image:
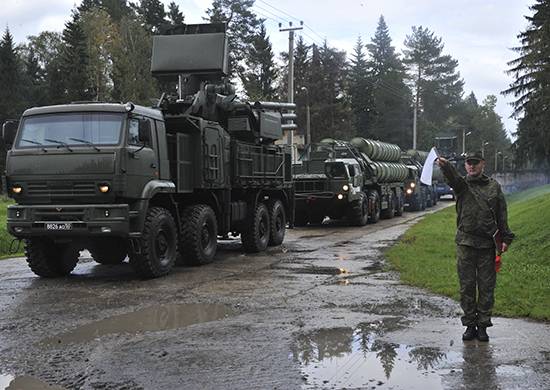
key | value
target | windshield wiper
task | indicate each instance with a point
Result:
(85, 142)
(55, 141)
(30, 141)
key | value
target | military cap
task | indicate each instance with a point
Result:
(478, 156)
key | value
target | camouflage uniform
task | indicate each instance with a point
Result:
(481, 210)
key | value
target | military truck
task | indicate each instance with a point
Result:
(338, 180)
(158, 185)
(418, 196)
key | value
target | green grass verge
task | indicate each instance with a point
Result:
(425, 256)
(5, 237)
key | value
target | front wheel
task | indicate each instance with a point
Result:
(158, 245)
(277, 219)
(374, 205)
(359, 211)
(199, 239)
(50, 260)
(255, 237)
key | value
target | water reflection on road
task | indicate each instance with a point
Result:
(357, 357)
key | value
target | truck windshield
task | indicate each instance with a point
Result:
(78, 129)
(336, 170)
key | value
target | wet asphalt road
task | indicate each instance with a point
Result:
(320, 312)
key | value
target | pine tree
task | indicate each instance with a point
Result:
(153, 14)
(74, 61)
(436, 82)
(360, 91)
(174, 14)
(391, 119)
(11, 99)
(259, 77)
(531, 87)
(242, 26)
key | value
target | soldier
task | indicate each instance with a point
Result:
(481, 216)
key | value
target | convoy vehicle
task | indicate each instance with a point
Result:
(158, 185)
(418, 195)
(338, 180)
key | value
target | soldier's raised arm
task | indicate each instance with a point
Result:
(452, 177)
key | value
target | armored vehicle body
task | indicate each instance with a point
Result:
(158, 185)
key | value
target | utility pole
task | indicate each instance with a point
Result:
(291, 30)
(416, 104)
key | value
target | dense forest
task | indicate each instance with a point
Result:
(103, 54)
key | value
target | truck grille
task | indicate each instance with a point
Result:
(66, 189)
(311, 185)
(59, 214)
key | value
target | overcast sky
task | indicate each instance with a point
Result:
(478, 33)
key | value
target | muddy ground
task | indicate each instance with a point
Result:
(320, 312)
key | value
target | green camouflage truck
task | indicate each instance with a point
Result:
(418, 196)
(158, 185)
(339, 179)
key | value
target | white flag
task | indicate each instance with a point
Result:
(428, 168)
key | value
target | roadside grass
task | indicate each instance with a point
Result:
(425, 256)
(5, 237)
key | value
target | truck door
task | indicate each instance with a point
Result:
(142, 163)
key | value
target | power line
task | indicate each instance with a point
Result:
(271, 13)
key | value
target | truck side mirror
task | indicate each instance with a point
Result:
(144, 131)
(9, 130)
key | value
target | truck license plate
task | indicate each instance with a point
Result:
(59, 226)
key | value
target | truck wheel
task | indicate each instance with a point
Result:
(389, 213)
(400, 206)
(199, 238)
(256, 235)
(374, 200)
(429, 199)
(277, 220)
(359, 211)
(423, 201)
(158, 245)
(109, 250)
(48, 259)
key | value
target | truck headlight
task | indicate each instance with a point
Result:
(340, 196)
(345, 187)
(409, 191)
(413, 185)
(17, 189)
(104, 188)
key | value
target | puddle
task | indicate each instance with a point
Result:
(145, 320)
(313, 236)
(357, 358)
(320, 270)
(9, 382)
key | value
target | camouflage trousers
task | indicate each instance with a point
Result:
(477, 276)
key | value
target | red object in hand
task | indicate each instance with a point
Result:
(498, 263)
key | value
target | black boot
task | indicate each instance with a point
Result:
(482, 334)
(470, 333)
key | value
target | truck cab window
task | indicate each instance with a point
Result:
(133, 132)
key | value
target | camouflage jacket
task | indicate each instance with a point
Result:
(480, 208)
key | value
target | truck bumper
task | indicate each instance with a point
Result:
(69, 220)
(324, 204)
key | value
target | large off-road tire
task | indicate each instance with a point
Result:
(277, 222)
(389, 213)
(199, 237)
(400, 206)
(359, 211)
(255, 236)
(158, 245)
(50, 260)
(374, 200)
(429, 198)
(109, 250)
(423, 201)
